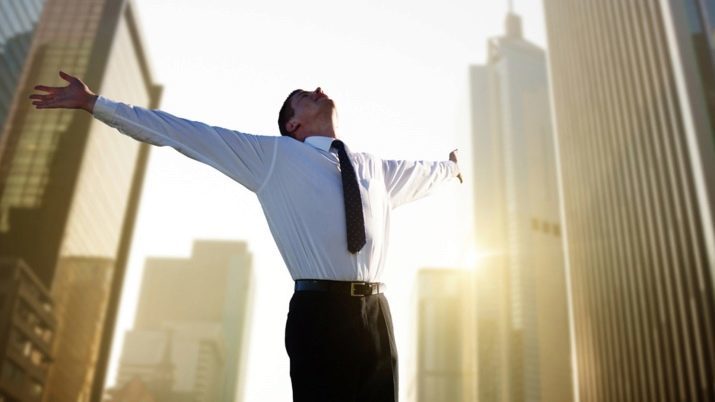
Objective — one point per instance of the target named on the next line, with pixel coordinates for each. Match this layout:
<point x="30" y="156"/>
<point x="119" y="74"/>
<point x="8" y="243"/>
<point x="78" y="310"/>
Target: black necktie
<point x="354" y="221"/>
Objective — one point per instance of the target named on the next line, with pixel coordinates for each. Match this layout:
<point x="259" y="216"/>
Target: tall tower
<point x="634" y="99"/>
<point x="69" y="186"/>
<point x="522" y="320"/>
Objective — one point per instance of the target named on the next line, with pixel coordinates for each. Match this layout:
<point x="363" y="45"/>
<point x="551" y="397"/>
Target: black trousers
<point x="341" y="348"/>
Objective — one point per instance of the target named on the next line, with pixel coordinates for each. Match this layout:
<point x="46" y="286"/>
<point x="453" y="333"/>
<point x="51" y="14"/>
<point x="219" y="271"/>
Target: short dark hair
<point x="286" y="113"/>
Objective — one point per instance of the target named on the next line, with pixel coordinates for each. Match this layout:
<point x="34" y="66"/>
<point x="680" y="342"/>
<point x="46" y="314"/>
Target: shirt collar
<point x="320" y="142"/>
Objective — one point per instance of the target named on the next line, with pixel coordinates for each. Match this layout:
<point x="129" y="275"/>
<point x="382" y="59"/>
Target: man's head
<point x="307" y="113"/>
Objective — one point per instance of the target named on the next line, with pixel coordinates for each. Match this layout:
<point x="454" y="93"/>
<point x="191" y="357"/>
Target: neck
<point x="324" y="130"/>
<point x="324" y="127"/>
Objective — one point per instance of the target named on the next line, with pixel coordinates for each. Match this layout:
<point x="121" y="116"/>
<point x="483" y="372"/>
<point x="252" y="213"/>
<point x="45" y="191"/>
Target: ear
<point x="292" y="125"/>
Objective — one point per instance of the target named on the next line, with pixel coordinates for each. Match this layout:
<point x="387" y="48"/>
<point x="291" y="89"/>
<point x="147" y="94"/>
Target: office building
<point x="201" y="320"/>
<point x="69" y="186"/>
<point x="183" y="361"/>
<point x="634" y="110"/>
<point x="522" y="320"/>
<point x="133" y="391"/>
<point x="445" y="370"/>
<point x="27" y="328"/>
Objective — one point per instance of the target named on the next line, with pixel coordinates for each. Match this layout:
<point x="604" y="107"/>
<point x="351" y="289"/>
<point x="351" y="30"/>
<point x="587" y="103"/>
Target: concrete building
<point x="184" y="361"/>
<point x="69" y="186"/>
<point x="27" y="329"/>
<point x="633" y="87"/>
<point x="522" y="321"/>
<point x="445" y="369"/>
<point x="133" y="391"/>
<point x="201" y="320"/>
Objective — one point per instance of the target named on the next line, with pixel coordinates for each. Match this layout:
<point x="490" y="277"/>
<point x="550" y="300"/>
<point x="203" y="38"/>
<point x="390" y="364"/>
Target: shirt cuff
<point x="104" y="109"/>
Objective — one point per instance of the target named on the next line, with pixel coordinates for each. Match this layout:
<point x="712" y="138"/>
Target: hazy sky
<point x="398" y="72"/>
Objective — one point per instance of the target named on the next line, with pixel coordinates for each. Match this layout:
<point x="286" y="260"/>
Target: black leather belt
<point x="357" y="289"/>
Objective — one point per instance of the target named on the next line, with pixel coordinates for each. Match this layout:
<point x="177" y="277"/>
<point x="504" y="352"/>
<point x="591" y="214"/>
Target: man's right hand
<point x="76" y="95"/>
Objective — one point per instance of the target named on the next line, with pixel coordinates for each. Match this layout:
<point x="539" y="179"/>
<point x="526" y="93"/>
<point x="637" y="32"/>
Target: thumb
<point x="67" y="77"/>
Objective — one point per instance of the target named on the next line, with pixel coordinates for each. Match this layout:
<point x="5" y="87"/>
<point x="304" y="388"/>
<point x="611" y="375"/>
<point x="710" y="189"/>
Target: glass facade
<point x="64" y="42"/>
<point x="521" y="284"/>
<point x="69" y="186"/>
<point x="635" y="197"/>
<point x="18" y="19"/>
<point x="102" y="190"/>
<point x="701" y="26"/>
<point x="55" y="186"/>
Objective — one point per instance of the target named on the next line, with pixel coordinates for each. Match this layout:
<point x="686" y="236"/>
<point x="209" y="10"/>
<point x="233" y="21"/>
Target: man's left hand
<point x="453" y="158"/>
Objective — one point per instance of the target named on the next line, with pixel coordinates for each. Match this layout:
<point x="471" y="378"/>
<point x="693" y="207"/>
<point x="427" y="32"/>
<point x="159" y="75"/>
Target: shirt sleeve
<point x="243" y="157"/>
<point x="410" y="180"/>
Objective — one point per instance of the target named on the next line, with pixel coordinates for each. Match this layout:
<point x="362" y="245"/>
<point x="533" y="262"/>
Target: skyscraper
<point x="208" y="307"/>
<point x="69" y="186"/>
<point x="522" y="320"/>
<point x="633" y="97"/>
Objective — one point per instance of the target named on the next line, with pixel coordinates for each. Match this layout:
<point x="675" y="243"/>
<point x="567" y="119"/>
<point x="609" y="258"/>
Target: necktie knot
<point x="337" y="144"/>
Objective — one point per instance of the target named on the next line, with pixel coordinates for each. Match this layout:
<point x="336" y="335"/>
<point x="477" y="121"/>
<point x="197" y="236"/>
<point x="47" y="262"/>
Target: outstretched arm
<point x="243" y="157"/>
<point x="407" y="181"/>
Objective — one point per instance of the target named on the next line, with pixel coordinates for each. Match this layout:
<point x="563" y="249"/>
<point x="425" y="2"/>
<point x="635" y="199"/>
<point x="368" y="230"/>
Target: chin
<point x="328" y="103"/>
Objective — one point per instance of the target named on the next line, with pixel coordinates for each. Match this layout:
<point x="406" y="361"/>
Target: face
<point x="310" y="106"/>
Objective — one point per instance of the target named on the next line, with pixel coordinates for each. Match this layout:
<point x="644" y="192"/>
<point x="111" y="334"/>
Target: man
<point x="329" y="212"/>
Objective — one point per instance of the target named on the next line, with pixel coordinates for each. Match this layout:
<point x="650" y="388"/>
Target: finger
<point x="40" y="97"/>
<point x="47" y="89"/>
<point x="47" y="104"/>
<point x="67" y="77"/>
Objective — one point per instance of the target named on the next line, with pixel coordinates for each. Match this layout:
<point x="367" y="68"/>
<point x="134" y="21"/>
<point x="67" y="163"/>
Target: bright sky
<point x="398" y="72"/>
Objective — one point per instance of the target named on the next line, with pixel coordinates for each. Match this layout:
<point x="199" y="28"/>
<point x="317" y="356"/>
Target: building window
<point x="35" y="389"/>
<point x="47" y="335"/>
<point x="37" y="357"/>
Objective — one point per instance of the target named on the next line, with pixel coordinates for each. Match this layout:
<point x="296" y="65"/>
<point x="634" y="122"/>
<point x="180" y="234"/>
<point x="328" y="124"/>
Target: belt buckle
<point x="352" y="288"/>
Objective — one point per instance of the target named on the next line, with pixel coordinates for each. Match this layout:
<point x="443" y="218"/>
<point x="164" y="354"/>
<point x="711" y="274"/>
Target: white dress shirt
<point x="298" y="185"/>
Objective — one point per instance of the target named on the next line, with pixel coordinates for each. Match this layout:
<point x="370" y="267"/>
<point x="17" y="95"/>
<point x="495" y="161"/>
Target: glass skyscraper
<point x="69" y="186"/>
<point x="633" y="95"/>
<point x="522" y="320"/>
